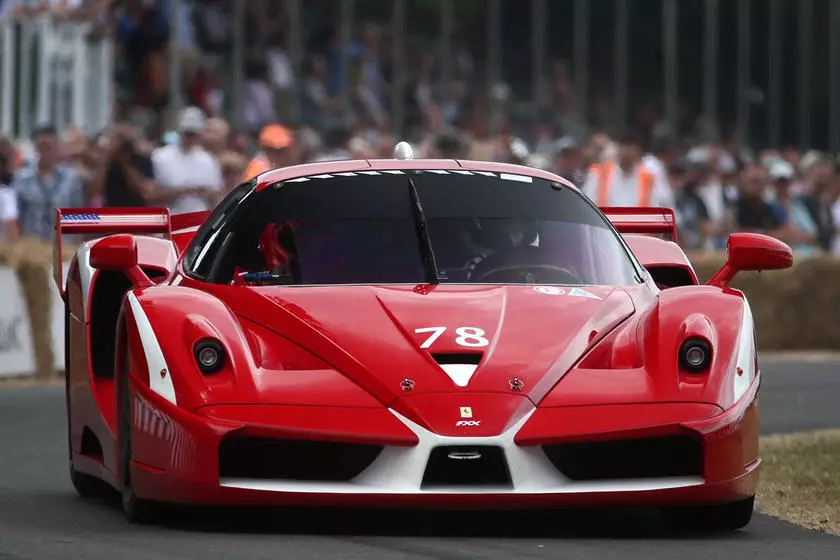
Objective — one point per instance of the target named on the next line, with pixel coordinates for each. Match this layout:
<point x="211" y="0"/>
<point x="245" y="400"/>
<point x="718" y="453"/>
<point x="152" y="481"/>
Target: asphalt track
<point x="41" y="518"/>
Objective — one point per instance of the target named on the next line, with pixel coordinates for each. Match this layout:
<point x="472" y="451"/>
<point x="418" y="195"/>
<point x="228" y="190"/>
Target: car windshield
<point x="413" y="227"/>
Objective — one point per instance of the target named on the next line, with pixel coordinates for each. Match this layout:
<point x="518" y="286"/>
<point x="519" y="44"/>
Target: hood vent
<point x="460" y="367"/>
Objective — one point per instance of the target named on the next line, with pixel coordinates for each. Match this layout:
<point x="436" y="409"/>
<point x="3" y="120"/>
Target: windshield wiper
<point x="421" y="227"/>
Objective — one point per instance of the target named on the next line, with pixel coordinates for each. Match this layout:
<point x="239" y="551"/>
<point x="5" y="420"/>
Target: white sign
<point x="16" y="353"/>
<point x="57" y="311"/>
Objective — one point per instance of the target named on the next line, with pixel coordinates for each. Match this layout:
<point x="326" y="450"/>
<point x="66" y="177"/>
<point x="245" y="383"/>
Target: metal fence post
<point x="447" y="20"/>
<point x="81" y="78"/>
<point x="24" y="109"/>
<point x="834" y="79"/>
<point x="581" y="56"/>
<point x="774" y="65"/>
<point x="806" y="24"/>
<point x="237" y="66"/>
<point x="744" y="72"/>
<point x="62" y="78"/>
<point x="398" y="87"/>
<point x="347" y="10"/>
<point x="7" y="81"/>
<point x="539" y="44"/>
<point x="296" y="55"/>
<point x="710" y="64"/>
<point x="620" y="62"/>
<point x="671" y="67"/>
<point x="175" y="61"/>
<point x="105" y="85"/>
<point x="47" y="32"/>
<point x="494" y="48"/>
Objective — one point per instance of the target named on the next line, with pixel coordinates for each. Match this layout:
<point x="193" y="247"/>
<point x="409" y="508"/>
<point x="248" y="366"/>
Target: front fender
<point x="724" y="318"/>
<point x="165" y="323"/>
<point x="638" y="363"/>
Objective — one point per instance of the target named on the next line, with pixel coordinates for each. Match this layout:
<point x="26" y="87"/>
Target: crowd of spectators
<point x="715" y="187"/>
<point x="784" y="193"/>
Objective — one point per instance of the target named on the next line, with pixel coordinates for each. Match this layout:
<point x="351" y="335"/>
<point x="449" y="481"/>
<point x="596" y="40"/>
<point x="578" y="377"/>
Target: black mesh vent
<point x="472" y="358"/>
<point x="467" y="466"/>
<point x="628" y="459"/>
<point x="279" y="459"/>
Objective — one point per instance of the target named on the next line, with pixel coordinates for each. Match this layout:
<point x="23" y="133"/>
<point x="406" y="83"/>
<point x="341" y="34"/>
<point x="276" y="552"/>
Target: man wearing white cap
<point x="798" y="227"/>
<point x="189" y="176"/>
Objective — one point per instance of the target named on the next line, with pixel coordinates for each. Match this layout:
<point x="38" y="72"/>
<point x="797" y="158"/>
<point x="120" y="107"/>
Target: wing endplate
<point x="105" y="221"/>
<point x="645" y="221"/>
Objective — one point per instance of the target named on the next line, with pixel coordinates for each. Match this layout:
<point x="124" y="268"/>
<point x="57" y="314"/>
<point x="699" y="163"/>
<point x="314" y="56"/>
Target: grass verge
<point x="800" y="479"/>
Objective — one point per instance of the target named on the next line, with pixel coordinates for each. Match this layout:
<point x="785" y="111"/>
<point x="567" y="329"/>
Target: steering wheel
<point x="521" y="260"/>
<point x="558" y="274"/>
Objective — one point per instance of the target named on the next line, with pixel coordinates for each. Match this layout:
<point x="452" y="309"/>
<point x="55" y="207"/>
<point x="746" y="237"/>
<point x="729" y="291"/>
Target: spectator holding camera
<point x="126" y="178"/>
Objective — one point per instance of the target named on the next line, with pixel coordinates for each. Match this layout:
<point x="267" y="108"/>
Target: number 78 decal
<point x="465" y="336"/>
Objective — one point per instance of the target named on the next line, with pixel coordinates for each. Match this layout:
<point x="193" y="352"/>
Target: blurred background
<point x="733" y="106"/>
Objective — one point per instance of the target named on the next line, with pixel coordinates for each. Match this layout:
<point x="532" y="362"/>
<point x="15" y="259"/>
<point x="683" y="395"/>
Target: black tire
<point x="135" y="510"/>
<point x="86" y="485"/>
<point x="717" y="517"/>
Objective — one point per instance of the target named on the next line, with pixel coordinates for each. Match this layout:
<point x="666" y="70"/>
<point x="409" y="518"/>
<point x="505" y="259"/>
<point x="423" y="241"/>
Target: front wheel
<point x="86" y="485"/>
<point x="717" y="517"/>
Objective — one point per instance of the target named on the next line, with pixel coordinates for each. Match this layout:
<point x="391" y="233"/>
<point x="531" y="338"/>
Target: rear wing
<point x="646" y="221"/>
<point x="102" y="222"/>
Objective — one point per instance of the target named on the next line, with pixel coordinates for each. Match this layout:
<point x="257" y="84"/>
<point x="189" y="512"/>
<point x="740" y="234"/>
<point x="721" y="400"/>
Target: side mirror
<point x="749" y="252"/>
<point x="118" y="253"/>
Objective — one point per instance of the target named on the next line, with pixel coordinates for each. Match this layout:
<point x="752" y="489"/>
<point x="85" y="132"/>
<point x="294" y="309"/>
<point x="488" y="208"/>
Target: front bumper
<point x="186" y="458"/>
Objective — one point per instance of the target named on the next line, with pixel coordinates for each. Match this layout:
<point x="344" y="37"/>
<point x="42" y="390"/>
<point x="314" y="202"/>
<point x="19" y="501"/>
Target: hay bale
<point x="794" y="309"/>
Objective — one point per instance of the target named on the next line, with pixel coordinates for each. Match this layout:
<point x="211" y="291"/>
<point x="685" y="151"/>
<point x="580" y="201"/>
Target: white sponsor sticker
<point x="550" y="290"/>
<point x="519" y="178"/>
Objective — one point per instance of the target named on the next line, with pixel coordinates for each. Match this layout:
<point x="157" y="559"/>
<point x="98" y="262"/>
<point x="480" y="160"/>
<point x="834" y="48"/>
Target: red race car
<point x="409" y="333"/>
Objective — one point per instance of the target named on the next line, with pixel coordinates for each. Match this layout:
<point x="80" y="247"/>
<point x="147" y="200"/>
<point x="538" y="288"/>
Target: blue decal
<point x="260" y="276"/>
<point x="577" y="292"/>
<point x="81" y="217"/>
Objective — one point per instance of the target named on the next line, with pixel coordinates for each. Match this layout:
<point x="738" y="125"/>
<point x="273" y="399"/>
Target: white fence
<point x="53" y="72"/>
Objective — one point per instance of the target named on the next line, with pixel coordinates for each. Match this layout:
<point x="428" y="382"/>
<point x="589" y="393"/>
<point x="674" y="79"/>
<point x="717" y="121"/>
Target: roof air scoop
<point x="403" y="150"/>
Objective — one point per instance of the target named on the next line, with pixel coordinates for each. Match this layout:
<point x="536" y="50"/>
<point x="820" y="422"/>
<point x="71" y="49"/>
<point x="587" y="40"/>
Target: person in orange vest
<point x="276" y="150"/>
<point x="627" y="181"/>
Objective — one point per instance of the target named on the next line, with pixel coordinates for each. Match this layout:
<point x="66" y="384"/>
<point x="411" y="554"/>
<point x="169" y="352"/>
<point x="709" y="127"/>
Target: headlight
<point x="695" y="355"/>
<point x="209" y="355"/>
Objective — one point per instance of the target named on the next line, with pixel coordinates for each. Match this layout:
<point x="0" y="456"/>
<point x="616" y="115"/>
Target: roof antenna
<point x="403" y="150"/>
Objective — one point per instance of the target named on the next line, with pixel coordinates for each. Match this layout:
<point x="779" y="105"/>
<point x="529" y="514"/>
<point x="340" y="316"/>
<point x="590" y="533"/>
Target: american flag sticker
<point x="80" y="218"/>
<point x="116" y="220"/>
